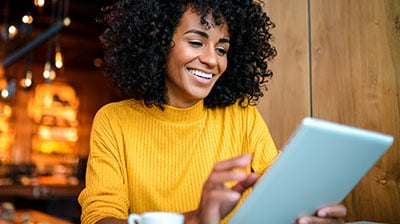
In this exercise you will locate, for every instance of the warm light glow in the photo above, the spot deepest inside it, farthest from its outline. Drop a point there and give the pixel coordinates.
(56, 100)
(6, 133)
(26, 82)
(67, 21)
(3, 83)
(44, 132)
(39, 3)
(48, 100)
(27, 19)
(12, 31)
(46, 74)
(59, 59)
(97, 62)
(5, 93)
(69, 114)
(46, 71)
(53, 146)
(52, 74)
(2, 72)
(69, 134)
(5, 112)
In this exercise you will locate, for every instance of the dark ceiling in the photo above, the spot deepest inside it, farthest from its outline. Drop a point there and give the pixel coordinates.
(78, 41)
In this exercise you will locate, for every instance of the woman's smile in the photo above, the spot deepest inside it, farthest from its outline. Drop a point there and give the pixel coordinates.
(201, 74)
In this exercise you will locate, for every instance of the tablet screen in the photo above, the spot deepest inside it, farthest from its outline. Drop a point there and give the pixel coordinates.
(319, 165)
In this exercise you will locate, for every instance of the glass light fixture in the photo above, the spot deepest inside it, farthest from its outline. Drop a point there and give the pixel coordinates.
(4, 93)
(39, 3)
(46, 71)
(27, 19)
(58, 58)
(26, 82)
(12, 32)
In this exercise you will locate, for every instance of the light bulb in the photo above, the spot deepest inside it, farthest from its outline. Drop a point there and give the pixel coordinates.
(26, 82)
(59, 59)
(39, 3)
(67, 21)
(28, 79)
(5, 93)
(27, 19)
(46, 71)
(12, 32)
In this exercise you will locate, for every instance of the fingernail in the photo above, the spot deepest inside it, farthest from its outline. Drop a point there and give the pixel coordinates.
(322, 214)
(303, 221)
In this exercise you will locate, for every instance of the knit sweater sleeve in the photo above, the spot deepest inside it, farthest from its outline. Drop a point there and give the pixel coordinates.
(105, 193)
(261, 142)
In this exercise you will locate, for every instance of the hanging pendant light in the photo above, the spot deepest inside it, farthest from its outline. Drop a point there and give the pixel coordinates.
(46, 70)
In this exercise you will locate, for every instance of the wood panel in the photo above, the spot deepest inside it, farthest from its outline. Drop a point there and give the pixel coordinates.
(287, 100)
(355, 81)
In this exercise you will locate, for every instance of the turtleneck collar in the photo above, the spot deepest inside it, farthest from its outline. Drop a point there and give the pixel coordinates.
(175, 114)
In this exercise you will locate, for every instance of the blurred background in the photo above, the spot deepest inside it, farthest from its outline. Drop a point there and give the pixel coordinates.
(51, 85)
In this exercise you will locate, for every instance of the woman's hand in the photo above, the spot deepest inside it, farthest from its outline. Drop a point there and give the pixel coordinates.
(217, 200)
(330, 215)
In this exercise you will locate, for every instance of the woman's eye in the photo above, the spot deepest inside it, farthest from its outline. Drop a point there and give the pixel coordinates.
(196, 43)
(221, 51)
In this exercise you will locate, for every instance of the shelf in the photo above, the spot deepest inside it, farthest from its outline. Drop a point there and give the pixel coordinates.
(41, 191)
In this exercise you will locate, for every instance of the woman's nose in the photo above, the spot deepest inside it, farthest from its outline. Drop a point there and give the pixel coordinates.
(209, 57)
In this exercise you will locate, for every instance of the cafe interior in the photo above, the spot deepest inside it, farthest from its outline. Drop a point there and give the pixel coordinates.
(51, 85)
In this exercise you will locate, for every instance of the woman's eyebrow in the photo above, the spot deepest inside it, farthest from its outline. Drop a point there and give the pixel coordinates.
(224, 40)
(204, 34)
(199, 32)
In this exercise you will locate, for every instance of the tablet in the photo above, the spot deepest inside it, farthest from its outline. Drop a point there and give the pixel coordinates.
(319, 165)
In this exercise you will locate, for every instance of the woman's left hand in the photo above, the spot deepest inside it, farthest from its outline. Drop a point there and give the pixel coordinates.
(330, 215)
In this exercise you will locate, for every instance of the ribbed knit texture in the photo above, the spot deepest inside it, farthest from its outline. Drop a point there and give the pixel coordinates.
(144, 159)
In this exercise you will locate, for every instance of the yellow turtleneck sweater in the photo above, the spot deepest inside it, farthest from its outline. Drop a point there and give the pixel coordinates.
(144, 159)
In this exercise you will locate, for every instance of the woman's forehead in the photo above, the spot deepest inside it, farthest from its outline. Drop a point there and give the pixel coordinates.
(207, 22)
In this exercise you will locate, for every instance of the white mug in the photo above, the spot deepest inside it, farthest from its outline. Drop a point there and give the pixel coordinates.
(156, 218)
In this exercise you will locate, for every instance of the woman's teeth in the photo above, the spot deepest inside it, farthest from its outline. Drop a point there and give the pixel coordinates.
(201, 74)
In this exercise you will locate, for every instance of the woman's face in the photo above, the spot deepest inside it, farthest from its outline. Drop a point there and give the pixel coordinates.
(196, 60)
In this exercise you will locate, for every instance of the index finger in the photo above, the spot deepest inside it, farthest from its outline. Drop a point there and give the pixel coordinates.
(236, 162)
(335, 211)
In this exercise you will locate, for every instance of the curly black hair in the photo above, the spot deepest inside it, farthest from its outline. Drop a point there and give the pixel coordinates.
(138, 37)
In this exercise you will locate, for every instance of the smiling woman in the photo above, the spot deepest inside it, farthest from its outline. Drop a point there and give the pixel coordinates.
(189, 139)
(135, 53)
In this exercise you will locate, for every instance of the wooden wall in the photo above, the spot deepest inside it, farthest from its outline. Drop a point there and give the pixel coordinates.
(340, 61)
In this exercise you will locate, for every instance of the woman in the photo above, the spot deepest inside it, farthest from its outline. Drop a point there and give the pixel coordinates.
(189, 139)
